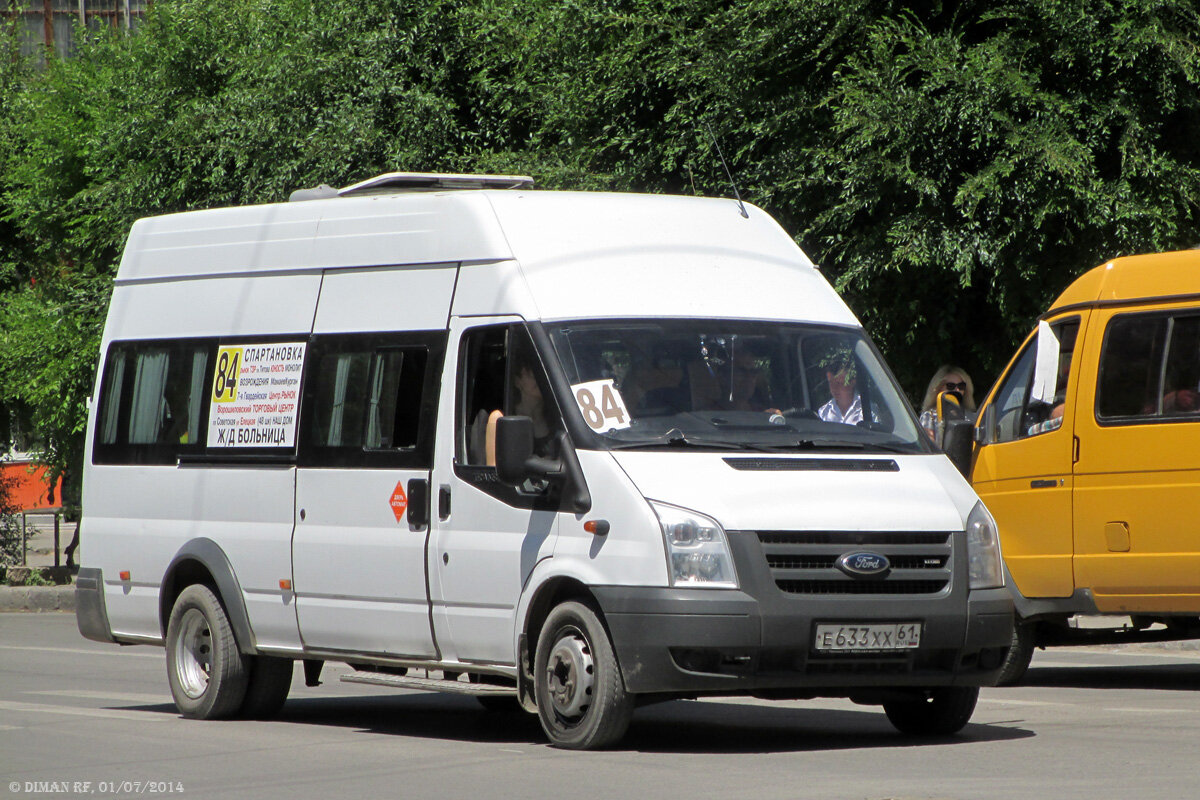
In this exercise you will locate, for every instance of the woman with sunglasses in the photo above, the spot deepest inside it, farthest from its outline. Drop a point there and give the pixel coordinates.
(948, 378)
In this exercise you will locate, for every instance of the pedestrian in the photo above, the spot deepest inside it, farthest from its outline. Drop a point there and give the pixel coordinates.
(957, 382)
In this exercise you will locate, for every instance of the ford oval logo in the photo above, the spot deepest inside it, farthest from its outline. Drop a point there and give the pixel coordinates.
(864, 565)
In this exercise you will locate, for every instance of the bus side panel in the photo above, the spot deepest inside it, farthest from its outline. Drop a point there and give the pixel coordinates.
(140, 516)
(137, 516)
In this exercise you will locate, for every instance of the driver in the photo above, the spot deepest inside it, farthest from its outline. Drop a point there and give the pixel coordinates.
(845, 403)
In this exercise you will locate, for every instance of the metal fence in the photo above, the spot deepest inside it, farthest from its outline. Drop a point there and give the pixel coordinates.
(49, 25)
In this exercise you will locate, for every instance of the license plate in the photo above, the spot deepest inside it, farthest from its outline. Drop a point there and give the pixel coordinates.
(868, 637)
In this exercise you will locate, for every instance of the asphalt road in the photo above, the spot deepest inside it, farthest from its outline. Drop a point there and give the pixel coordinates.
(1096, 723)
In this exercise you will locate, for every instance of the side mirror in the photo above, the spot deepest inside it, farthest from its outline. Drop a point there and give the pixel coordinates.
(515, 462)
(958, 440)
(514, 446)
(949, 409)
(984, 433)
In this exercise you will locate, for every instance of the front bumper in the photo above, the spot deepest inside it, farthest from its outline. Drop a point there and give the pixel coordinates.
(760, 639)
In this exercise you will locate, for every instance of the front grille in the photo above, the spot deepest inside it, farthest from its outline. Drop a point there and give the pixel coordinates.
(805, 562)
(828, 562)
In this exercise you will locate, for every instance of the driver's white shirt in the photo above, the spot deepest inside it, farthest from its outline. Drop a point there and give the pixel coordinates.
(830, 412)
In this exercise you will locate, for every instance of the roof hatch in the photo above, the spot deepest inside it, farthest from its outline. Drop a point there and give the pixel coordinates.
(397, 182)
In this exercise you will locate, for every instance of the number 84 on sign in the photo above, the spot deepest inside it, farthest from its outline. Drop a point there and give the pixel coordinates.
(601, 404)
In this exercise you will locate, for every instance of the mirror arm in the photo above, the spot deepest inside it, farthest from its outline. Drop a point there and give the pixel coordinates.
(576, 496)
(565, 469)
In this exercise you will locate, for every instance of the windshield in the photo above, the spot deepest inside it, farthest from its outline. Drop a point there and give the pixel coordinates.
(733, 384)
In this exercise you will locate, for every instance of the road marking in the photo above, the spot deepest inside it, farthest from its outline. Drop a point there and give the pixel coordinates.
(102, 713)
(115, 697)
(1137, 710)
(1187, 655)
(80, 651)
(1022, 702)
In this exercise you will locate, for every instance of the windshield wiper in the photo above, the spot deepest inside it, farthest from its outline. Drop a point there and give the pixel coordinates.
(840, 444)
(677, 438)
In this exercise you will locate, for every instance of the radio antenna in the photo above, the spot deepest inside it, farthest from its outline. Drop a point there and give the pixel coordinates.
(732, 183)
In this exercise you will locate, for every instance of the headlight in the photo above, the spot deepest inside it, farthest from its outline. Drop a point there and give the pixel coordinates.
(697, 550)
(983, 550)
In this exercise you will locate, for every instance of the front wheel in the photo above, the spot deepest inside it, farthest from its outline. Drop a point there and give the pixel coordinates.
(207, 673)
(581, 697)
(1019, 655)
(933, 712)
(497, 704)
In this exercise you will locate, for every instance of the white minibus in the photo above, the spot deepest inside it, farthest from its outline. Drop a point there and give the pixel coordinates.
(567, 452)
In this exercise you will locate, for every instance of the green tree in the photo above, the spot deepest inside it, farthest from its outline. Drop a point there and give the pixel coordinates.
(210, 103)
(950, 166)
(977, 164)
(10, 531)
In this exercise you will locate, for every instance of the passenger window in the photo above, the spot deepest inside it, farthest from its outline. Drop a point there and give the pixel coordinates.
(1149, 369)
(1181, 378)
(152, 401)
(501, 375)
(1018, 415)
(365, 401)
(394, 404)
(341, 380)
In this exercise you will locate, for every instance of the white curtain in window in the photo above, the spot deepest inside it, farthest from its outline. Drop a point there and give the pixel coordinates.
(149, 406)
(112, 401)
(338, 410)
(374, 428)
(196, 394)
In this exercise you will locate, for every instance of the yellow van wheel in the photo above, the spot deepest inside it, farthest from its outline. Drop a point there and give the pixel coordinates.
(1019, 655)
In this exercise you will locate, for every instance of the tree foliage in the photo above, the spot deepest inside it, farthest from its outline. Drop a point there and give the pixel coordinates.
(977, 166)
(952, 166)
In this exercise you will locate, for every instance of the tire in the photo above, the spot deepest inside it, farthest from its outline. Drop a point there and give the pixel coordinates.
(1019, 655)
(933, 712)
(581, 697)
(499, 705)
(496, 704)
(207, 672)
(270, 682)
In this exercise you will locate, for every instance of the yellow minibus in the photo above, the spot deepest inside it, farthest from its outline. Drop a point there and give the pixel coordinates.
(1088, 456)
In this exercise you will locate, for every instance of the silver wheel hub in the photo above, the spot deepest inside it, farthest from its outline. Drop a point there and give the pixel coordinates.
(193, 653)
(570, 676)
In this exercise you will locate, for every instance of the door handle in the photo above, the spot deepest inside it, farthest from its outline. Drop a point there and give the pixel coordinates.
(1045, 484)
(443, 502)
(418, 502)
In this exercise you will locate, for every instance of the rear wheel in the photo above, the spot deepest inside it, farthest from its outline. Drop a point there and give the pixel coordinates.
(270, 682)
(581, 697)
(933, 712)
(207, 673)
(1019, 655)
(497, 704)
